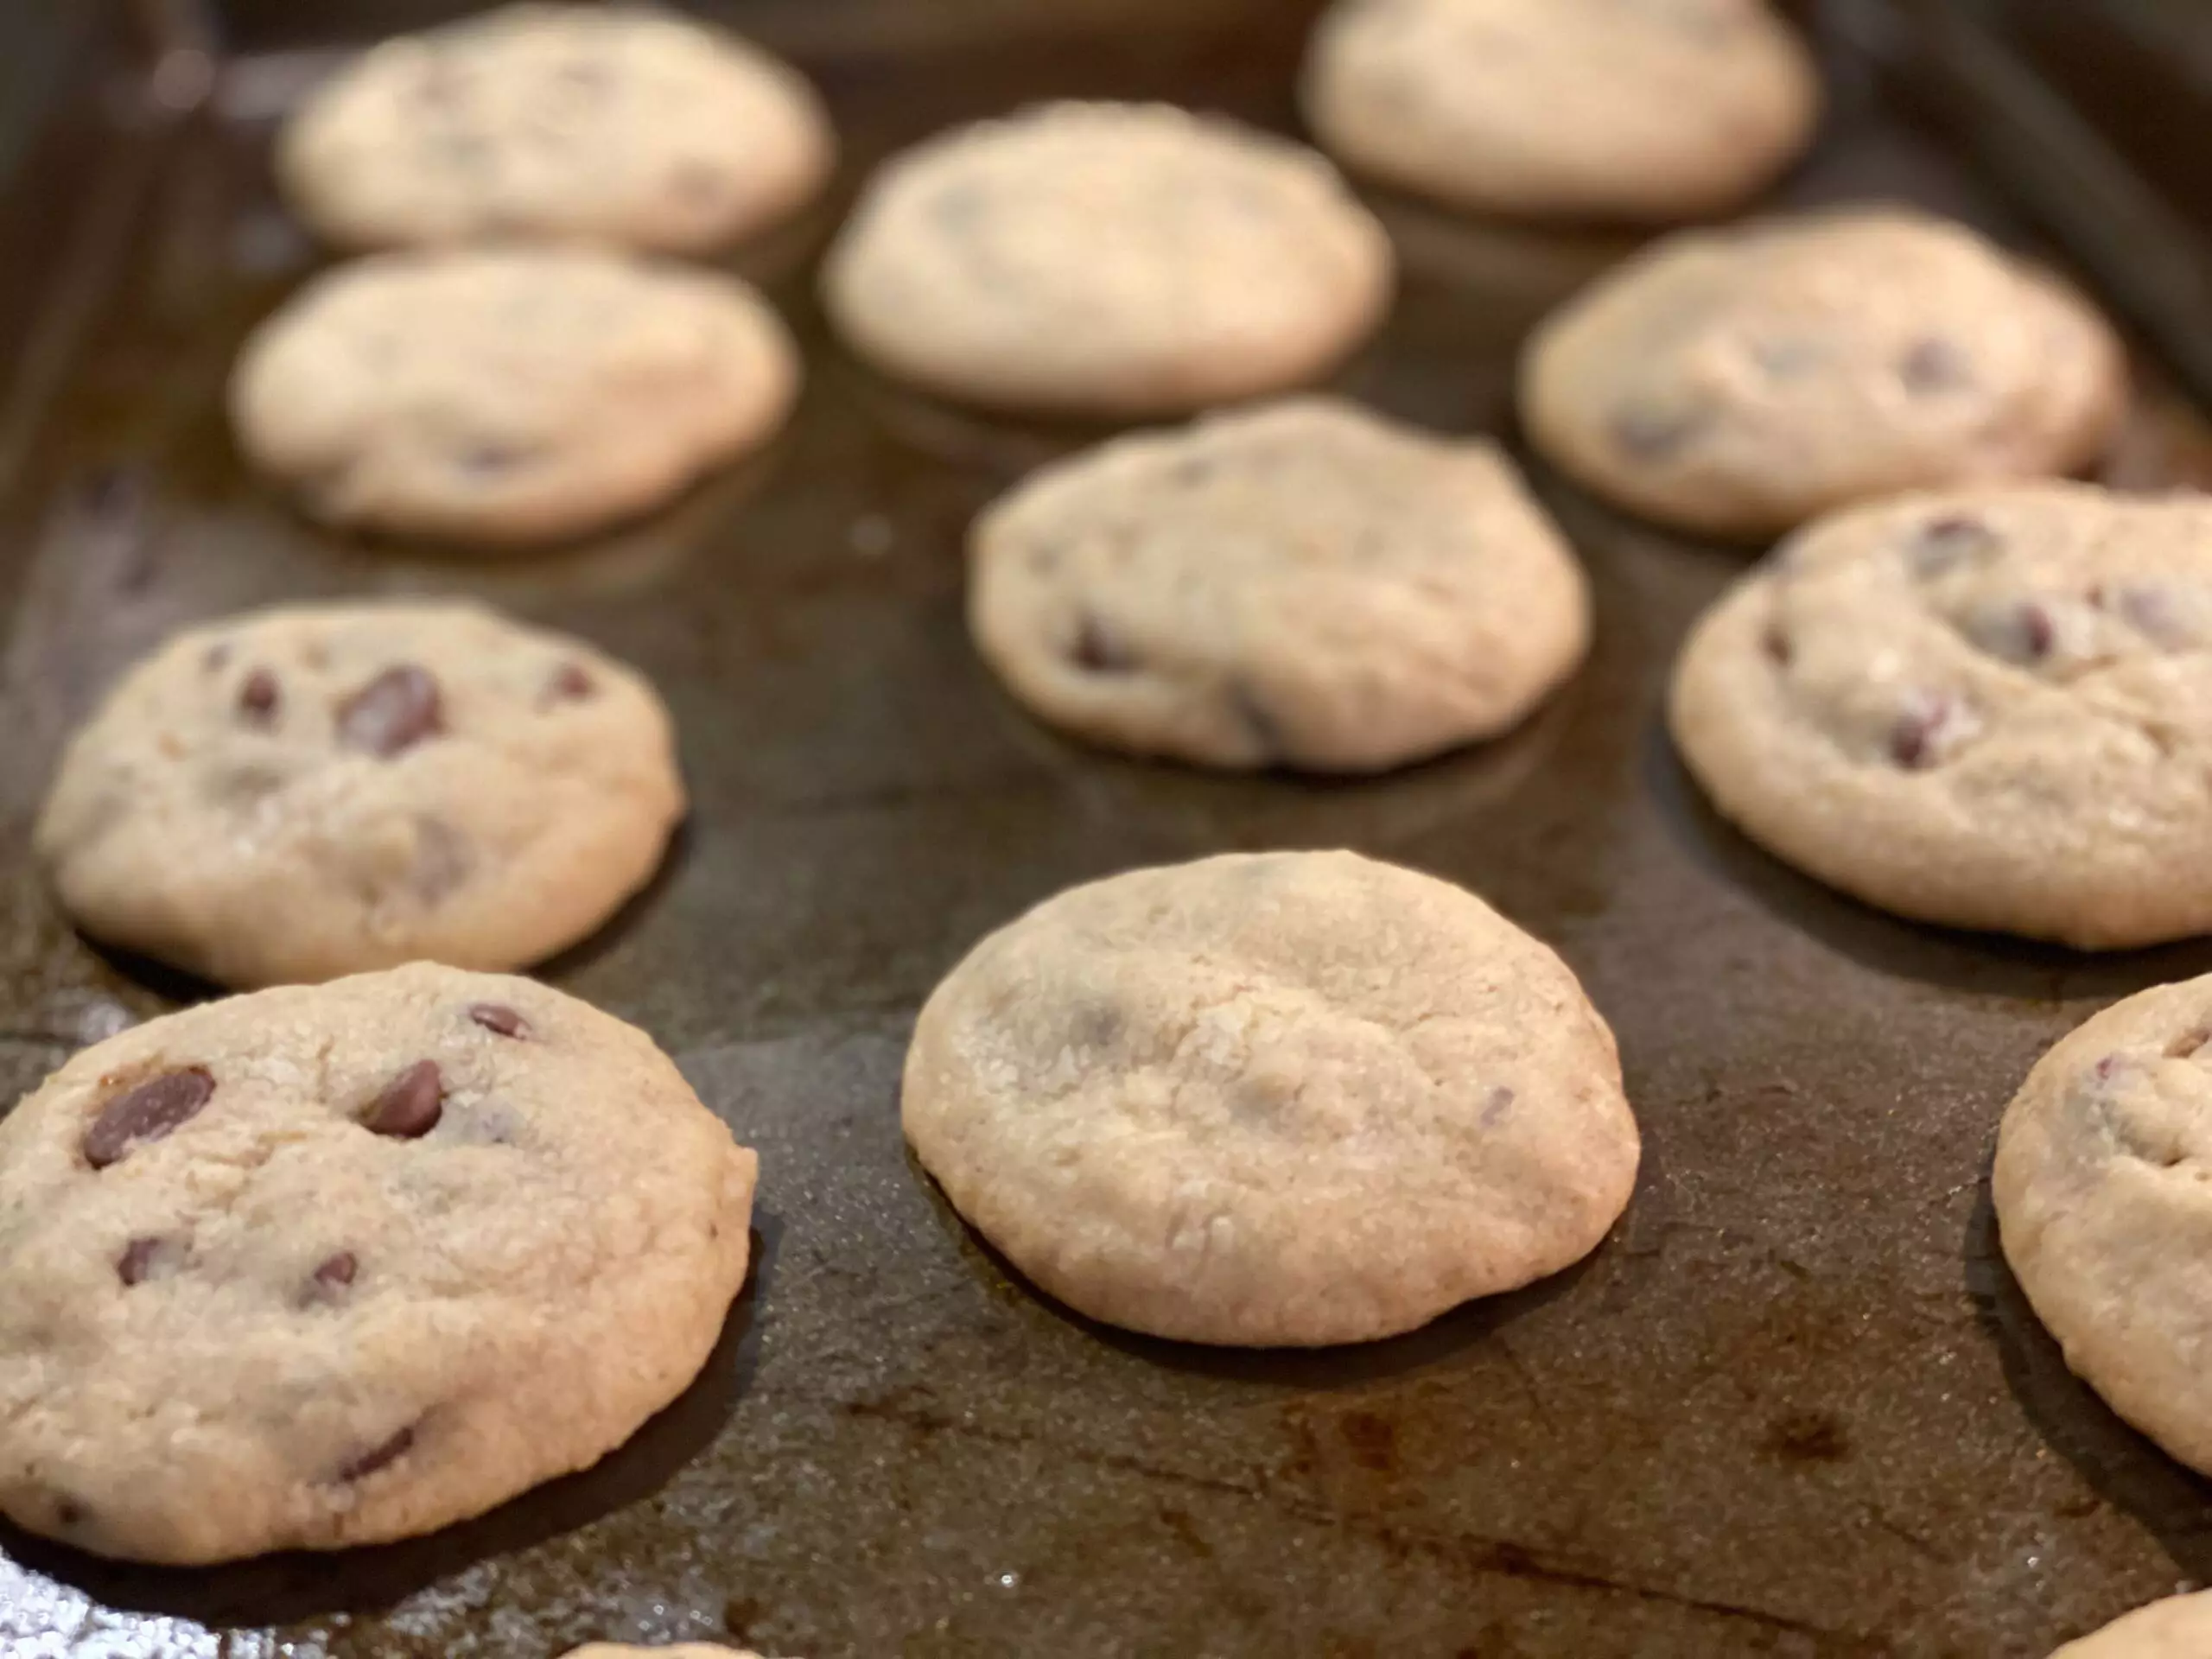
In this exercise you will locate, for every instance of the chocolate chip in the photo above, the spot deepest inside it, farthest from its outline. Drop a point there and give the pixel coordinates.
(1651, 434)
(1931, 724)
(136, 1259)
(571, 683)
(1500, 1103)
(70, 1513)
(702, 183)
(217, 660)
(1097, 651)
(2023, 632)
(1935, 365)
(259, 696)
(392, 713)
(1193, 469)
(1945, 543)
(1787, 360)
(2151, 611)
(1258, 720)
(151, 1110)
(499, 1019)
(382, 1458)
(492, 460)
(337, 1272)
(1776, 644)
(411, 1105)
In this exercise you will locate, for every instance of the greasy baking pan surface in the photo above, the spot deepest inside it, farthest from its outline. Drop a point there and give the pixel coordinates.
(1795, 1405)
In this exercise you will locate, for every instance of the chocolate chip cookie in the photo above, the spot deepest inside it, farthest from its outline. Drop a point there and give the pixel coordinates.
(1303, 585)
(326, 1266)
(1740, 382)
(1108, 259)
(625, 125)
(300, 793)
(1635, 110)
(2180, 1627)
(508, 397)
(2103, 1191)
(1990, 709)
(1292, 1099)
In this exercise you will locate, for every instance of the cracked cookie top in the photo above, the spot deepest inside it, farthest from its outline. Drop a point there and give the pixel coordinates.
(327, 1266)
(2103, 1191)
(310, 791)
(1303, 585)
(1292, 1099)
(1989, 709)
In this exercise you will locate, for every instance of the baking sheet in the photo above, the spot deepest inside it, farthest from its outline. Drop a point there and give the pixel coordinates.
(1794, 1407)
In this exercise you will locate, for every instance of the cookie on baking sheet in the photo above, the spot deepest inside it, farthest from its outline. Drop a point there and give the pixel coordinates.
(2103, 1193)
(1990, 709)
(332, 1265)
(1740, 382)
(509, 396)
(627, 125)
(1303, 585)
(296, 794)
(2180, 1627)
(1291, 1099)
(1109, 259)
(1627, 110)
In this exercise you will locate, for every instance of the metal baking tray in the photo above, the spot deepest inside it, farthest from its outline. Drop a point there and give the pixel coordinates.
(1794, 1407)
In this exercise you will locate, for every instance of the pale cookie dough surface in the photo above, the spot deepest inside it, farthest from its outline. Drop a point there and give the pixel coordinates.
(1635, 110)
(1989, 709)
(333, 1265)
(1292, 1099)
(508, 396)
(296, 794)
(1740, 382)
(630, 126)
(2103, 1191)
(1305, 585)
(2179, 1627)
(1108, 259)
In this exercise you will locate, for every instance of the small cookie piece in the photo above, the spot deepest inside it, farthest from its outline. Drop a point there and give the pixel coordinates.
(1613, 109)
(1108, 259)
(1740, 382)
(632, 127)
(509, 398)
(1292, 1099)
(2180, 1627)
(1987, 709)
(2103, 1191)
(300, 793)
(1305, 585)
(332, 1265)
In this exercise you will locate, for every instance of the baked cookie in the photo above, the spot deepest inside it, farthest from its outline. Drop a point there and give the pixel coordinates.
(510, 397)
(1990, 709)
(1108, 259)
(296, 794)
(2103, 1191)
(1616, 110)
(1303, 585)
(1294, 1099)
(2180, 1627)
(1740, 382)
(332, 1265)
(635, 127)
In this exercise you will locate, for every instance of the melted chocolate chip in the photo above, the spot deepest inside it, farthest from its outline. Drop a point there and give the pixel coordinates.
(382, 1456)
(138, 1259)
(499, 1019)
(1935, 365)
(1945, 543)
(1930, 722)
(1650, 434)
(411, 1105)
(259, 697)
(571, 682)
(151, 1110)
(1097, 651)
(392, 713)
(337, 1272)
